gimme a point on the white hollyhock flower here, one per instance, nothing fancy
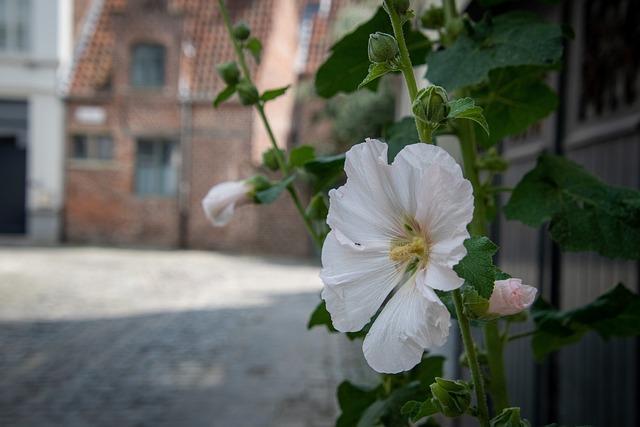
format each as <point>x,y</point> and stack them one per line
<point>395,227</point>
<point>511,296</point>
<point>222,199</point>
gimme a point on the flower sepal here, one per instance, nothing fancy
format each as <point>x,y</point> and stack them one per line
<point>509,417</point>
<point>451,397</point>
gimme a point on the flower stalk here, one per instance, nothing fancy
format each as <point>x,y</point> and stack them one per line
<point>282,164</point>
<point>495,343</point>
<point>407,68</point>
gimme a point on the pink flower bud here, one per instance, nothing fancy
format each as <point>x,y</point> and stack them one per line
<point>510,296</point>
<point>221,200</point>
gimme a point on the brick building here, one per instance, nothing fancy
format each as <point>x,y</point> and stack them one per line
<point>143,141</point>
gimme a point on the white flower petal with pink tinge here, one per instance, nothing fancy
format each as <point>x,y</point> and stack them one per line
<point>511,296</point>
<point>421,197</point>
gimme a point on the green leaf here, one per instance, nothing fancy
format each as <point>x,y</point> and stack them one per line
<point>512,39</point>
<point>614,314</point>
<point>477,268</point>
<point>348,62</point>
<point>224,94</point>
<point>301,155</point>
<point>325,171</point>
<point>255,47</point>
<point>399,135</point>
<point>274,93</point>
<point>375,71</point>
<point>389,408</point>
<point>271,195</point>
<point>428,369</point>
<point>321,317</point>
<point>418,410</point>
<point>584,213</point>
<point>514,99</point>
<point>465,108</point>
<point>317,209</point>
<point>353,401</point>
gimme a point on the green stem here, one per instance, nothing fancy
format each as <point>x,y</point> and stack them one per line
<point>282,163</point>
<point>495,357</point>
<point>407,69</point>
<point>469,149</point>
<point>472,356</point>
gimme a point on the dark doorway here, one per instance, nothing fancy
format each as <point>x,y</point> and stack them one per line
<point>13,168</point>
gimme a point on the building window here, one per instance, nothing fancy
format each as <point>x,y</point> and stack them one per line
<point>156,167</point>
<point>147,66</point>
<point>14,25</point>
<point>92,147</point>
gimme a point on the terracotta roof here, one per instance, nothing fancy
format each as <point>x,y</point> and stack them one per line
<point>202,27</point>
<point>203,33</point>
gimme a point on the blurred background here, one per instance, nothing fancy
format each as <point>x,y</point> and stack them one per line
<point>121,305</point>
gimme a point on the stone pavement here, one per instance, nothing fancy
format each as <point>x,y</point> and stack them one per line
<point>115,337</point>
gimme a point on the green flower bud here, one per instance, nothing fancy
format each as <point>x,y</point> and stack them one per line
<point>400,6</point>
<point>270,159</point>
<point>433,18</point>
<point>241,31</point>
<point>492,161</point>
<point>248,93</point>
<point>229,72</point>
<point>509,417</point>
<point>452,398</point>
<point>431,106</point>
<point>382,47</point>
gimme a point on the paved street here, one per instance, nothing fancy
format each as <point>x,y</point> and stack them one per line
<point>114,337</point>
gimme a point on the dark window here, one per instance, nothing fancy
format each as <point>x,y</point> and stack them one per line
<point>92,147</point>
<point>147,65</point>
<point>156,167</point>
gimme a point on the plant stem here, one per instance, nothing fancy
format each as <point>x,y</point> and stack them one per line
<point>476,375</point>
<point>407,69</point>
<point>495,353</point>
<point>469,150</point>
<point>282,164</point>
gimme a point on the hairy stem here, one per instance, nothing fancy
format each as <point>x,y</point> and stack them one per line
<point>472,356</point>
<point>495,354</point>
<point>282,163</point>
<point>407,69</point>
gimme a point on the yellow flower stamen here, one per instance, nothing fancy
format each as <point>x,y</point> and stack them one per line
<point>414,249</point>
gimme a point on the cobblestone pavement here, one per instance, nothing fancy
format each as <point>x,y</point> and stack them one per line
<point>114,337</point>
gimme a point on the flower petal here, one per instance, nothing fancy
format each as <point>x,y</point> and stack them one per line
<point>365,208</point>
<point>221,200</point>
<point>438,276</point>
<point>445,207</point>
<point>410,323</point>
<point>357,281</point>
<point>421,156</point>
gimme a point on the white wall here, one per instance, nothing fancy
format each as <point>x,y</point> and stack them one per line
<point>34,76</point>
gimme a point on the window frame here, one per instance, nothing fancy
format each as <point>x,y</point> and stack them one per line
<point>135,61</point>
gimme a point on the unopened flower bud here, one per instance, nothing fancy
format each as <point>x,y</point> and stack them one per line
<point>433,18</point>
<point>431,106</point>
<point>400,6</point>
<point>509,417</point>
<point>270,158</point>
<point>248,93</point>
<point>241,31</point>
<point>510,297</point>
<point>382,47</point>
<point>452,398</point>
<point>222,199</point>
<point>229,72</point>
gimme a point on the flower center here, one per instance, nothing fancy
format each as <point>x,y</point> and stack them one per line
<point>411,250</point>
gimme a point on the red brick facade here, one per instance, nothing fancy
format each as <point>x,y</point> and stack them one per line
<point>215,145</point>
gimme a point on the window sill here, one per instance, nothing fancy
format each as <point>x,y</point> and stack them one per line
<point>91,164</point>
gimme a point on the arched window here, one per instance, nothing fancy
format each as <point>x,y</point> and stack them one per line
<point>147,65</point>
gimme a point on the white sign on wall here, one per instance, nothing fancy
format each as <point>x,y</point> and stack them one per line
<point>91,115</point>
